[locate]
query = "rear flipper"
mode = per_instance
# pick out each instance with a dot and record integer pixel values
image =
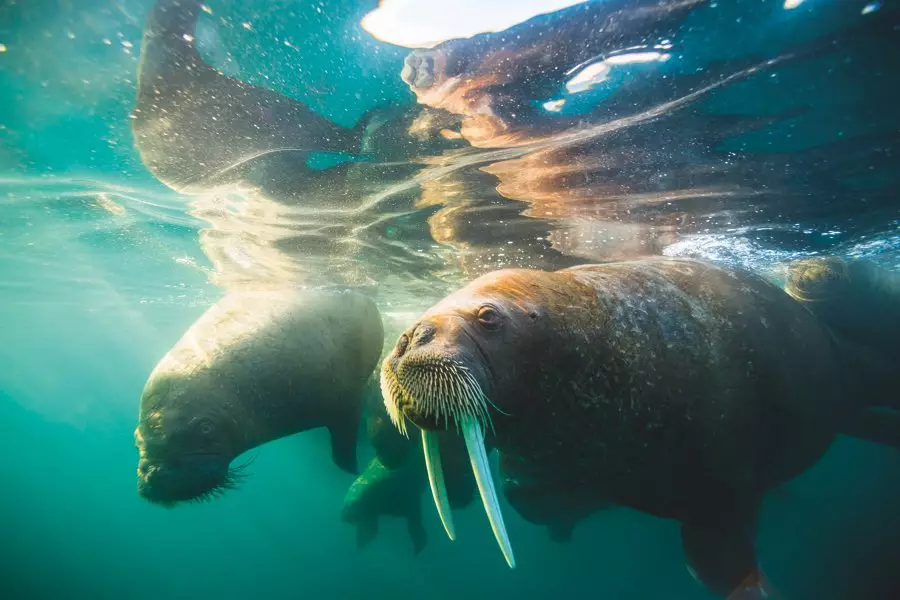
(722, 556)
(344, 433)
(881, 426)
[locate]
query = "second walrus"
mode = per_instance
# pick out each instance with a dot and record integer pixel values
(257, 366)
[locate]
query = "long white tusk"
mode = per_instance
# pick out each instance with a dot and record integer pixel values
(474, 437)
(436, 480)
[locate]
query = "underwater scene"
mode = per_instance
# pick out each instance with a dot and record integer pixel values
(468, 299)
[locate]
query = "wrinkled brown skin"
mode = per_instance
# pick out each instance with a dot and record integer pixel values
(255, 367)
(666, 385)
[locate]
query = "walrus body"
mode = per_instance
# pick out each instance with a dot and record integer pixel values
(667, 385)
(254, 368)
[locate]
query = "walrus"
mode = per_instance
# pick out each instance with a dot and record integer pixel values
(255, 367)
(394, 480)
(381, 491)
(860, 302)
(670, 386)
(857, 299)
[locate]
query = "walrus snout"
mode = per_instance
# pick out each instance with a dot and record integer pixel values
(172, 480)
(436, 373)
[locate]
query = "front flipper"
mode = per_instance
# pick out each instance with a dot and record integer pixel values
(344, 433)
(721, 555)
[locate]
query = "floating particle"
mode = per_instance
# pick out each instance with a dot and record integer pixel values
(871, 7)
(127, 44)
(2, 47)
(206, 9)
(188, 37)
(247, 26)
(107, 41)
(789, 4)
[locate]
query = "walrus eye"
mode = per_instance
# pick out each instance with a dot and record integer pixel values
(206, 427)
(489, 317)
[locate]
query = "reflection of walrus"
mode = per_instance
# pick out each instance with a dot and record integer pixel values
(254, 368)
(667, 385)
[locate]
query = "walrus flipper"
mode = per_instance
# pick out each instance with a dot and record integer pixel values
(721, 556)
(344, 433)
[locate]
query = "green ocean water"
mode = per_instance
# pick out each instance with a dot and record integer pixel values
(101, 272)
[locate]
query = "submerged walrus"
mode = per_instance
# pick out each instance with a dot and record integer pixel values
(670, 386)
(257, 366)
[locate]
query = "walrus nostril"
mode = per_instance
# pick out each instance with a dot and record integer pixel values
(402, 344)
(423, 334)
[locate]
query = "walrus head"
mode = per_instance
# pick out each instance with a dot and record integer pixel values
(817, 279)
(460, 367)
(185, 451)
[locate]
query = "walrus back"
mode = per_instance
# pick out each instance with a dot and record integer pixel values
(277, 361)
(725, 359)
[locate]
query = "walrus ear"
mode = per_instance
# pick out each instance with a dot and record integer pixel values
(344, 433)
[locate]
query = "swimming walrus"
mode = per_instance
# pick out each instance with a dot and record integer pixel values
(382, 491)
(394, 481)
(670, 386)
(255, 367)
(860, 302)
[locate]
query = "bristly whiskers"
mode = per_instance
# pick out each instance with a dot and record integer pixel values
(232, 481)
(440, 390)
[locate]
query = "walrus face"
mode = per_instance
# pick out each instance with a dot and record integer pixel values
(453, 367)
(817, 278)
(183, 456)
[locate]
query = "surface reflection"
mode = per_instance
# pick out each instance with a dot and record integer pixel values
(590, 133)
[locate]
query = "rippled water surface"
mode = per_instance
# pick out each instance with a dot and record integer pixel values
(156, 155)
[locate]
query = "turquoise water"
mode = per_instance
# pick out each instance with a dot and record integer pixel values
(103, 267)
